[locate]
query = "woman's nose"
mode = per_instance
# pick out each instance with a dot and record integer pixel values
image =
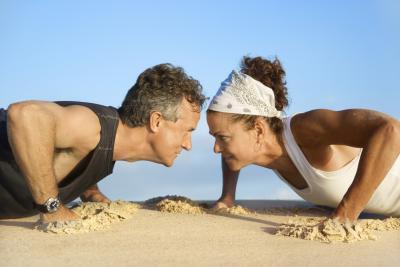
(217, 148)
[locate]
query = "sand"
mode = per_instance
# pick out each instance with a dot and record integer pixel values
(184, 205)
(154, 238)
(100, 216)
(174, 204)
(331, 231)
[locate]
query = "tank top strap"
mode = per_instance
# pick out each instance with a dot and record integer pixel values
(297, 156)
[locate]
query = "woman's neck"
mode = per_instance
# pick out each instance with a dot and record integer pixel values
(274, 155)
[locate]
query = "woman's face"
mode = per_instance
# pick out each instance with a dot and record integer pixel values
(238, 145)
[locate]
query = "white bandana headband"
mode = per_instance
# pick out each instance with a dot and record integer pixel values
(241, 94)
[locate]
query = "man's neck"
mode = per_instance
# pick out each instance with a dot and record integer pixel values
(131, 144)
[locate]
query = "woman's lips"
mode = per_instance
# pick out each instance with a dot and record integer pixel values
(228, 157)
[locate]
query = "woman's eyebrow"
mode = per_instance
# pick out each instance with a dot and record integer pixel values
(213, 134)
(217, 133)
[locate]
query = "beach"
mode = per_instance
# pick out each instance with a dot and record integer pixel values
(154, 238)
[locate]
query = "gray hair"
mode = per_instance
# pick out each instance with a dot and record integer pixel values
(160, 88)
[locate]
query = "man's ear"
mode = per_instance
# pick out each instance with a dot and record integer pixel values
(155, 121)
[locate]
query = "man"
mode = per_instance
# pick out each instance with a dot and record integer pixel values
(53, 152)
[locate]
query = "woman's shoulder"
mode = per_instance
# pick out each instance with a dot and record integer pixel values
(307, 127)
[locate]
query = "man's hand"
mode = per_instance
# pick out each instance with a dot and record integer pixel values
(62, 214)
(93, 194)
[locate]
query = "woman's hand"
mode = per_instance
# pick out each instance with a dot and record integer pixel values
(346, 212)
(222, 205)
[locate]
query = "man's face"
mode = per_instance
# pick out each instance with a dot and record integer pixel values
(175, 136)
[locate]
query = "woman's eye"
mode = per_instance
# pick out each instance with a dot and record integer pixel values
(223, 138)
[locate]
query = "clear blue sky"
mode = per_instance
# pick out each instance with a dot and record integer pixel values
(337, 55)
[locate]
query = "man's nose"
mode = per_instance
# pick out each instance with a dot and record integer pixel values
(217, 148)
(187, 142)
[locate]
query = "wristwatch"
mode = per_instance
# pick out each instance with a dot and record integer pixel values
(51, 205)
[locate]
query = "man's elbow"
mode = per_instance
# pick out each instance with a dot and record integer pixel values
(22, 112)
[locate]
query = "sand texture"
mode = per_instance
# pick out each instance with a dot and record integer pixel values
(184, 205)
(153, 238)
(331, 231)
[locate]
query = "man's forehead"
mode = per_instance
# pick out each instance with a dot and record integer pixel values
(189, 117)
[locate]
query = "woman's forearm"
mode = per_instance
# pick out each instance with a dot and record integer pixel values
(376, 160)
(230, 179)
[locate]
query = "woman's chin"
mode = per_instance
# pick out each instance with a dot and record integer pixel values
(234, 165)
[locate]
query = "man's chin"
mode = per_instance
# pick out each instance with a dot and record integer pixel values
(168, 163)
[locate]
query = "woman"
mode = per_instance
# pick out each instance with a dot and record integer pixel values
(348, 160)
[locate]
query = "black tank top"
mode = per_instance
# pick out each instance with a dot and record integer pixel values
(15, 198)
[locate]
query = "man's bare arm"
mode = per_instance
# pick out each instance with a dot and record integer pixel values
(93, 194)
(35, 129)
(31, 133)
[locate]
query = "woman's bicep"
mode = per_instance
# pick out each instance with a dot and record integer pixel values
(352, 127)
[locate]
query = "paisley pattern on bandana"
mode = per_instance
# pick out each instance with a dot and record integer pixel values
(241, 94)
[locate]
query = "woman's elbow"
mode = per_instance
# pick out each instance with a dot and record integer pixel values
(391, 130)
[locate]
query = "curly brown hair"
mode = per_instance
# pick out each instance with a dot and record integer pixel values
(160, 88)
(271, 74)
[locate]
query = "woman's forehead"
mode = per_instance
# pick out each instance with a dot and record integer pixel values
(220, 121)
(218, 116)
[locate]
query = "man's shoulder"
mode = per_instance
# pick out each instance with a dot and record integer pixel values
(98, 109)
(77, 126)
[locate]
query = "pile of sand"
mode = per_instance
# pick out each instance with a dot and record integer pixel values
(181, 204)
(175, 204)
(235, 210)
(94, 216)
(178, 206)
(330, 230)
(152, 202)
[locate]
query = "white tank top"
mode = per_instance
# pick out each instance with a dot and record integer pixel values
(328, 188)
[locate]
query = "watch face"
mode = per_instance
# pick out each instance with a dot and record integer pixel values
(52, 204)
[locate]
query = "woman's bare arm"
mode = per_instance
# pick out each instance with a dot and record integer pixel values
(229, 180)
(377, 133)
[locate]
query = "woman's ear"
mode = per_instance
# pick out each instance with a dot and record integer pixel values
(260, 129)
(155, 121)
